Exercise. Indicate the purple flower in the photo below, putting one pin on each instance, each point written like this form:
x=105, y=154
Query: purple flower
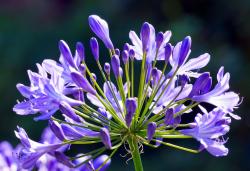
x=94, y=48
x=44, y=95
x=101, y=29
x=71, y=129
x=202, y=85
x=117, y=52
x=57, y=130
x=184, y=50
x=220, y=96
x=64, y=68
x=125, y=56
x=68, y=110
x=186, y=66
x=209, y=129
x=105, y=137
x=145, y=34
x=156, y=74
x=169, y=116
x=115, y=63
x=32, y=150
x=80, y=53
x=107, y=68
x=159, y=39
x=131, y=106
x=82, y=82
x=159, y=100
x=151, y=130
x=168, y=52
x=66, y=53
x=151, y=45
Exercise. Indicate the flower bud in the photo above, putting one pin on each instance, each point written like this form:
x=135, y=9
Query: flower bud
x=105, y=137
x=159, y=39
x=151, y=130
x=132, y=54
x=168, y=52
x=115, y=63
x=71, y=132
x=117, y=52
x=131, y=106
x=125, y=56
x=107, y=68
x=145, y=34
x=101, y=29
x=184, y=50
x=94, y=48
x=66, y=53
x=66, y=109
x=82, y=82
x=126, y=47
x=57, y=130
x=156, y=74
x=169, y=117
x=80, y=50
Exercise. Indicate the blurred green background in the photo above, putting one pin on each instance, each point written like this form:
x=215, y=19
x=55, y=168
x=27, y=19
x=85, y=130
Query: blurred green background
x=31, y=29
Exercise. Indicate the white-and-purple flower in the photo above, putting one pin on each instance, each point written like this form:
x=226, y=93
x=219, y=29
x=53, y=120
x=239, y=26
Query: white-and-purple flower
x=209, y=129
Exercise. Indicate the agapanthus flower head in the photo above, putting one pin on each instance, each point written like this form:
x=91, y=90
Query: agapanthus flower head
x=135, y=105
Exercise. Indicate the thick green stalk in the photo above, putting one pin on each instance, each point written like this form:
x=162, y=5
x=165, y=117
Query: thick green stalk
x=133, y=145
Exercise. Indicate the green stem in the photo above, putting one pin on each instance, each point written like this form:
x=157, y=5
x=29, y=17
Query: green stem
x=133, y=145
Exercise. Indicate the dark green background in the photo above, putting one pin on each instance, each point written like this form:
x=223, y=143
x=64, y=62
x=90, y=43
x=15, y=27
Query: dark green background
x=31, y=29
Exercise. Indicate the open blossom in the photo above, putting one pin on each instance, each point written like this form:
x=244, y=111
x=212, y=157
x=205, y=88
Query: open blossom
x=209, y=129
x=32, y=150
x=122, y=103
x=220, y=96
x=44, y=94
x=47, y=154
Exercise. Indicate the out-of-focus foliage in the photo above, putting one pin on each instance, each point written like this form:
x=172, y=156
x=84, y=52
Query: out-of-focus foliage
x=31, y=29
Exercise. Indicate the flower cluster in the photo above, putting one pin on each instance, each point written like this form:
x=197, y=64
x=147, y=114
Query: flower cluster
x=144, y=106
x=45, y=155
